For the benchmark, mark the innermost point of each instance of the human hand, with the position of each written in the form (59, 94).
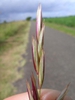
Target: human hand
(46, 94)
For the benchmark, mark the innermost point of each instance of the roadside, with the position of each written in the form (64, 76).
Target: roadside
(11, 58)
(62, 28)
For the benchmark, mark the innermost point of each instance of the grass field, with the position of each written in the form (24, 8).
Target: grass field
(13, 43)
(66, 21)
(64, 24)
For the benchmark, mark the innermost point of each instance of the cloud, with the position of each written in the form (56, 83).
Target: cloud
(20, 9)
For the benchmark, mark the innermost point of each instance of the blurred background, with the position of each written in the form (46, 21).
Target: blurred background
(20, 9)
(15, 24)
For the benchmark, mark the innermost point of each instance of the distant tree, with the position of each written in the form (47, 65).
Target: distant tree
(28, 18)
(5, 21)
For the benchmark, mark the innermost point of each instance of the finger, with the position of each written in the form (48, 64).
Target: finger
(48, 94)
(23, 96)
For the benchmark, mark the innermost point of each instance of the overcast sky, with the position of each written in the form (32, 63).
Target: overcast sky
(20, 9)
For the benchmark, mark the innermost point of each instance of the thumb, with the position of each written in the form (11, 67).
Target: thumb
(48, 94)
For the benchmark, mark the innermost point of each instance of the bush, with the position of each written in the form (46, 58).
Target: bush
(28, 18)
(5, 22)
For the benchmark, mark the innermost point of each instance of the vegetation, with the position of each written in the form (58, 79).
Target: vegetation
(67, 21)
(28, 18)
(64, 24)
(14, 39)
(38, 57)
(9, 29)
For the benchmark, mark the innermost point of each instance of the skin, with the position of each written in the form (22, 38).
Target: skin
(46, 94)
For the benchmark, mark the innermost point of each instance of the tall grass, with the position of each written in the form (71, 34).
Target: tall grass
(67, 21)
(8, 29)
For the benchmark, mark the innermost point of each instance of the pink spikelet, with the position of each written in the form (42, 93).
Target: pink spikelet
(38, 57)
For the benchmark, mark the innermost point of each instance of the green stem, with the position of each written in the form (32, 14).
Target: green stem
(39, 93)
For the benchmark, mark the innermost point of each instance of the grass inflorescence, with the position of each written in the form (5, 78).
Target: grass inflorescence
(38, 57)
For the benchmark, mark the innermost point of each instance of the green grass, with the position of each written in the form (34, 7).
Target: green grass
(13, 46)
(66, 21)
(62, 28)
(8, 29)
(64, 24)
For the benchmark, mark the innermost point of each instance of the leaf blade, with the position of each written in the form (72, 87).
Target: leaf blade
(40, 42)
(63, 93)
(29, 92)
(34, 88)
(35, 55)
(41, 69)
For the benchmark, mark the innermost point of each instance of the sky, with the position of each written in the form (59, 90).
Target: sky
(11, 10)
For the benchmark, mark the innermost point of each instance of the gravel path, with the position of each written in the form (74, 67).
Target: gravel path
(60, 61)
